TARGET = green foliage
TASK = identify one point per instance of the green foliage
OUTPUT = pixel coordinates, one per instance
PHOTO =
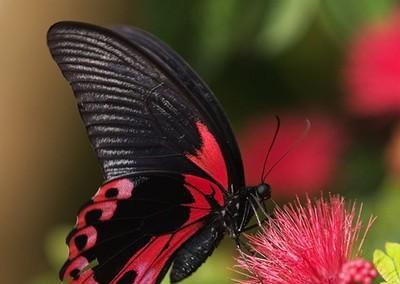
(388, 264)
(345, 17)
(55, 248)
(56, 253)
(216, 32)
(363, 170)
(285, 22)
(384, 205)
(45, 278)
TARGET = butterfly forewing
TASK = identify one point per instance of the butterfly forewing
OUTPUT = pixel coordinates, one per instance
(196, 91)
(140, 110)
(135, 117)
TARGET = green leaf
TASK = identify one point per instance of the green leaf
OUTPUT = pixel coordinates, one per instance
(286, 21)
(385, 205)
(346, 17)
(388, 264)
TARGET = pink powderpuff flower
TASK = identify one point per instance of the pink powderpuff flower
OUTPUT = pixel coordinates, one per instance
(310, 167)
(372, 70)
(315, 243)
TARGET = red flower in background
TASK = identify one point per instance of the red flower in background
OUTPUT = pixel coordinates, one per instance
(309, 244)
(308, 168)
(372, 71)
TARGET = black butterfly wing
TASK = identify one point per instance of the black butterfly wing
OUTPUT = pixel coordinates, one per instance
(199, 94)
(132, 227)
(147, 115)
(140, 102)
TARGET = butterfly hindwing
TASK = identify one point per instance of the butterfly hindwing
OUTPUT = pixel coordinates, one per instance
(135, 224)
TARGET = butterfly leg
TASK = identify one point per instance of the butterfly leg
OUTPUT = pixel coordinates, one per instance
(245, 217)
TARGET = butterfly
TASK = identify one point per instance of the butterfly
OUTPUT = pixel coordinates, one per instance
(174, 182)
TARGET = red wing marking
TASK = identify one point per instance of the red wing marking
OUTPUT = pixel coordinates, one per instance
(149, 262)
(89, 235)
(117, 189)
(209, 158)
(105, 200)
(199, 187)
(79, 264)
(106, 209)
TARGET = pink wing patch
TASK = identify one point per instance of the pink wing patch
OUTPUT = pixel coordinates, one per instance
(104, 204)
(209, 158)
(80, 264)
(89, 233)
(105, 200)
(117, 189)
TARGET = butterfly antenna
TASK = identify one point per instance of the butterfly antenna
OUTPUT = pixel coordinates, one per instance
(294, 145)
(278, 126)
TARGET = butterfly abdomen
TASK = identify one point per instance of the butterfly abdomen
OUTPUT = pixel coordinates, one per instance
(195, 251)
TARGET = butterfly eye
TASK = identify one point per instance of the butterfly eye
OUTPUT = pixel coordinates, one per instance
(264, 190)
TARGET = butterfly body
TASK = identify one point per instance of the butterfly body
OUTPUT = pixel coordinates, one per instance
(196, 251)
(174, 177)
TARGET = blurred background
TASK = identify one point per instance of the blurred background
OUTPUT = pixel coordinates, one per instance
(334, 62)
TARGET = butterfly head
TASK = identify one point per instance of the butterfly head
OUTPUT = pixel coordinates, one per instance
(263, 191)
(260, 192)
(245, 205)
